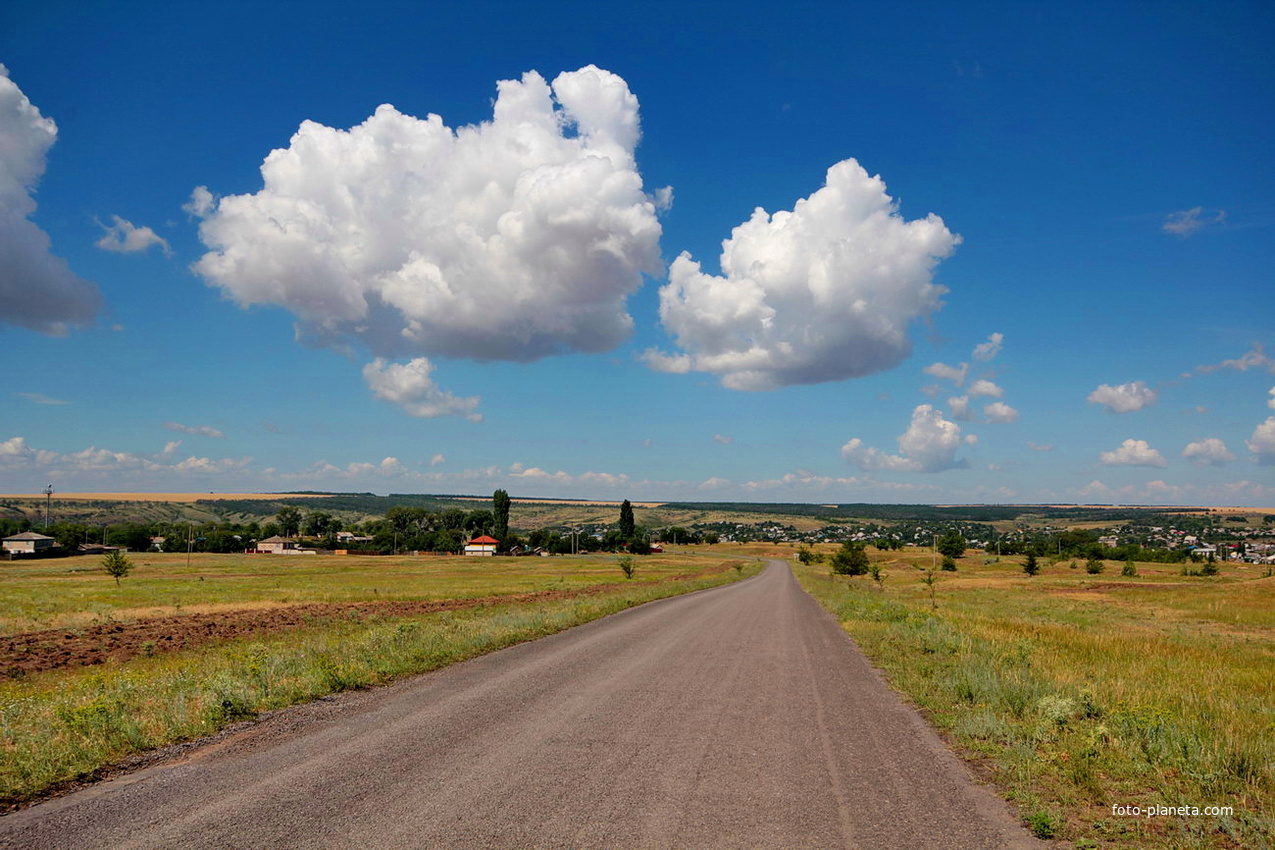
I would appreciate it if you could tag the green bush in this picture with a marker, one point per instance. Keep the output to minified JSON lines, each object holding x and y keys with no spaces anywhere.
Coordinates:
{"x":851,"y":560}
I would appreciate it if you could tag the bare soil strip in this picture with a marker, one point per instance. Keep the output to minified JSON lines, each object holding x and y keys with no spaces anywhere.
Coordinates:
{"x":52,"y":649}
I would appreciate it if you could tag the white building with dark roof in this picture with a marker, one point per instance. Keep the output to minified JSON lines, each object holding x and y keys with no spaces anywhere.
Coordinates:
{"x":28,"y":543}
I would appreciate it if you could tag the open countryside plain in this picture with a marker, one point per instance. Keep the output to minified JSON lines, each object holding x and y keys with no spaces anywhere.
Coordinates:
{"x":238,"y":635}
{"x":737,"y":717}
{"x":1071,"y":692}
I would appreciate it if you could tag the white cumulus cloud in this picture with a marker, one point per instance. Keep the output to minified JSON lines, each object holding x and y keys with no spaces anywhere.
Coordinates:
{"x":1000,"y":412}
{"x":37,"y":289}
{"x":124,"y":237}
{"x":985,"y":387}
{"x":928,"y":445}
{"x":1132,"y":453}
{"x":820,"y":293}
{"x":514,"y":239}
{"x":1208,"y":452}
{"x":960,"y":407}
{"x":201,"y":430}
{"x":985,"y":351}
{"x":1262,"y":443}
{"x":944,"y":372}
{"x":411,"y":386}
{"x":1124,"y":398}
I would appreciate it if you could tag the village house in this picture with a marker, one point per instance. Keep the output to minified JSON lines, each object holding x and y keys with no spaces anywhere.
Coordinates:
{"x":28,"y":543}
{"x":483,"y":546}
{"x":280,"y":546}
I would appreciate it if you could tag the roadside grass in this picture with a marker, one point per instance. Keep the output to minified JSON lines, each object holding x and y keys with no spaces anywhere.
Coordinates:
{"x":64,"y":727}
{"x":73,"y":592}
{"x":1076,"y":693}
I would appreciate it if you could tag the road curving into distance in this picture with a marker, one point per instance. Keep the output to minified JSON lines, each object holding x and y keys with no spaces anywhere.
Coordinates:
{"x":741,"y":716}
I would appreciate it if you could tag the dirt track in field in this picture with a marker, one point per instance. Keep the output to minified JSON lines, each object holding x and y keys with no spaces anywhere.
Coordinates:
{"x":52,"y":649}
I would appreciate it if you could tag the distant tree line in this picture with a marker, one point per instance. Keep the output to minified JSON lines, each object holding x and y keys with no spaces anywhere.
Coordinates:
{"x":403,"y":528}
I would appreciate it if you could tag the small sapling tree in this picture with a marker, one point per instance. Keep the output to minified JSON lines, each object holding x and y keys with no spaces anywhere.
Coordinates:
{"x":117,"y":565}
{"x":1129,"y":570}
{"x":930,"y":579}
{"x":627,"y":566}
{"x":949,"y":564}
{"x":1030,"y":566}
{"x":877,"y":575}
{"x":1094,"y":566}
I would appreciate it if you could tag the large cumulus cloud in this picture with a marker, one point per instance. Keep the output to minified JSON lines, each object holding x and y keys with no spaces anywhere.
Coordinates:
{"x":821,"y":293}
{"x":928,"y":445}
{"x":37,"y":289}
{"x":513,"y":239}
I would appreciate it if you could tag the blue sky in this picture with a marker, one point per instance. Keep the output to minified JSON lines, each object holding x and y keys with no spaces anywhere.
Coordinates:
{"x":1008,"y":253}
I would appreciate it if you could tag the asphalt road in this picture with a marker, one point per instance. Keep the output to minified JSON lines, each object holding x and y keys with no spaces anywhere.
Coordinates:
{"x":735,"y":717}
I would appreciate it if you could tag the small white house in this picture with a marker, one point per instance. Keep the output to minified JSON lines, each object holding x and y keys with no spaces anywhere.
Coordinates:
{"x":28,"y":543}
{"x":483,"y":546}
{"x":281,"y":546}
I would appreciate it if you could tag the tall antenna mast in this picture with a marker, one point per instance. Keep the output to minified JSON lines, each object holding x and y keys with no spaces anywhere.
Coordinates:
{"x":48,"y":502}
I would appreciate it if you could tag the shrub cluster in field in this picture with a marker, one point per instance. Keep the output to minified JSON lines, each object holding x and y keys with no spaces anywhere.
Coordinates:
{"x":65,"y":726}
{"x":1064,"y":746}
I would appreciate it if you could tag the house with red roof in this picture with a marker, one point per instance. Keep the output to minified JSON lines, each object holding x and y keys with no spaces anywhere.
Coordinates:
{"x":483,"y":546}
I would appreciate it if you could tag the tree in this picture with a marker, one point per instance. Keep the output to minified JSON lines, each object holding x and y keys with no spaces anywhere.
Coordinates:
{"x":289,"y":519}
{"x":952,"y":544}
{"x":949,"y":564}
{"x":1094,"y":566}
{"x":479,"y":522}
{"x":117,"y":565}
{"x":808,"y":556}
{"x":851,"y":560}
{"x":500,"y":509}
{"x":627,"y":567}
{"x":453,"y":519}
{"x":627,"y":523}
{"x":319,"y":524}
{"x":1030,"y":566}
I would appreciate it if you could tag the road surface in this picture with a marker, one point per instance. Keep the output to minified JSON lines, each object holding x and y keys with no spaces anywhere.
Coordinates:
{"x":736,"y":717}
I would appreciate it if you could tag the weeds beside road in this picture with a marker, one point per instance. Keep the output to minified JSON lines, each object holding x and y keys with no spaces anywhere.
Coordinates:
{"x":1084,"y":699}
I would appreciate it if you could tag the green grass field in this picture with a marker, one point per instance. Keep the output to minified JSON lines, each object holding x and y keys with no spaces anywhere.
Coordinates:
{"x":65,"y":726}
{"x":66,"y":592}
{"x":1076,"y":692}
